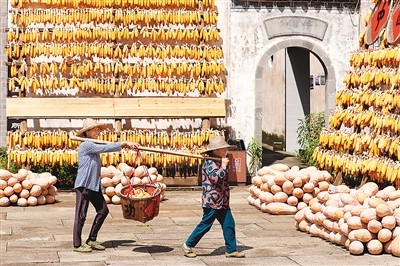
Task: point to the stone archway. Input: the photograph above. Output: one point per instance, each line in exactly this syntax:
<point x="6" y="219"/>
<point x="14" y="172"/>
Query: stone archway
<point x="313" y="46"/>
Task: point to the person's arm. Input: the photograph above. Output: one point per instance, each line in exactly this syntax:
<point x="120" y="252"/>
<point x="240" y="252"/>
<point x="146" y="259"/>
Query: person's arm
<point x="215" y="172"/>
<point x="91" y="147"/>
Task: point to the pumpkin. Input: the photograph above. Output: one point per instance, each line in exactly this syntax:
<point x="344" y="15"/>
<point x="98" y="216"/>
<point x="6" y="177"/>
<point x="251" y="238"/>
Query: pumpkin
<point x="279" y="180"/>
<point x="52" y="190"/>
<point x="279" y="167"/>
<point x="32" y="200"/>
<point x="374" y="247"/>
<point x="107" y="198"/>
<point x="323" y="185"/>
<point x="287" y="187"/>
<point x="50" y="199"/>
<point x="354" y="222"/>
<point x="333" y="212"/>
<point x="5" y="174"/>
<point x="280" y="208"/>
<point x="17" y="188"/>
<point x="301" y="205"/>
<point x="298" y="192"/>
<point x="141" y="171"/>
<point x="373" y="202"/>
<point x="12" y="181"/>
<point x="308" y="187"/>
<point x="356" y="247"/>
<point x="363" y="235"/>
<point x="383" y="210"/>
<point x="394" y="195"/>
<point x="256" y="180"/>
<point x="3" y="184"/>
<point x="13" y="198"/>
<point x="24" y="193"/>
<point x="41" y="200"/>
<point x="395" y="246"/>
<point x="116" y="179"/>
<point x="297" y="182"/>
<point x="116" y="200"/>
<point x="396" y="232"/>
<point x="347" y="199"/>
<point x="299" y="216"/>
<point x="280" y="197"/>
<point x="369" y="188"/>
<point x="266" y="197"/>
<point x="106" y="182"/>
<point x="292" y="201"/>
<point x="35" y="191"/>
<point x="368" y="215"/>
<point x="275" y="189"/>
<point x="307" y="197"/>
<point x="314" y="230"/>
<point x="8" y="191"/>
<point x="356" y="210"/>
<point x="110" y="191"/>
<point x="384" y="235"/>
<point x="22" y="202"/>
<point x="27" y="184"/>
<point x="388" y="222"/>
<point x="304" y="226"/>
<point x="374" y="226"/>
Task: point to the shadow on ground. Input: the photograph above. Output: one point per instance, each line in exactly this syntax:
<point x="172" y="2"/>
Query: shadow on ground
<point x="271" y="157"/>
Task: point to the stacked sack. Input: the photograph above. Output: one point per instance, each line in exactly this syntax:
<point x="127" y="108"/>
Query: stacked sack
<point x="363" y="220"/>
<point x="114" y="178"/>
<point x="278" y="189"/>
<point x="26" y="188"/>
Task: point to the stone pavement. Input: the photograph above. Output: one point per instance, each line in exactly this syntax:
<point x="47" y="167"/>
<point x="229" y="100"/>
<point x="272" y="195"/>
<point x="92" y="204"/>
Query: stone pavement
<point x="42" y="235"/>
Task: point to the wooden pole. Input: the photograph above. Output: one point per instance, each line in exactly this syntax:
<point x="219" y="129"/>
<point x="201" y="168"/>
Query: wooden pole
<point x="151" y="149"/>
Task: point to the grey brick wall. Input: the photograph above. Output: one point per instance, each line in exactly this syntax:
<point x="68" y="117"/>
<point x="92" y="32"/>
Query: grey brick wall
<point x="3" y="71"/>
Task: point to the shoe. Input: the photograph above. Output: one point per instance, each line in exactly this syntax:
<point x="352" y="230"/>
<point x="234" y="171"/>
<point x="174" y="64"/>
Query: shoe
<point x="188" y="251"/>
<point x="83" y="248"/>
<point x="95" y="245"/>
<point x="235" y="254"/>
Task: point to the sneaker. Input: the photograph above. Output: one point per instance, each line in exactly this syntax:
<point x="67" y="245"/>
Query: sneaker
<point x="95" y="245"/>
<point x="235" y="254"/>
<point x="188" y="251"/>
<point x="83" y="248"/>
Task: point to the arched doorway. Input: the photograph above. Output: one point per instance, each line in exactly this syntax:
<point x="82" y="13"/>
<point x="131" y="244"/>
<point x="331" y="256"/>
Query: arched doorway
<point x="291" y="103"/>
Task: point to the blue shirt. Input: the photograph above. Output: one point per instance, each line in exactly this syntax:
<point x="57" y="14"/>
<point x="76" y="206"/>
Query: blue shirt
<point x="89" y="163"/>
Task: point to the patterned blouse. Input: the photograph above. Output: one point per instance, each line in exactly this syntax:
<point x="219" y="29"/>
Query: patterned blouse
<point x="216" y="191"/>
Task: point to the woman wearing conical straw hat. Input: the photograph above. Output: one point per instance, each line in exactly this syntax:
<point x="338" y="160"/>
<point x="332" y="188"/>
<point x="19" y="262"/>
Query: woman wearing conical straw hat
<point x="215" y="200"/>
<point x="88" y="183"/>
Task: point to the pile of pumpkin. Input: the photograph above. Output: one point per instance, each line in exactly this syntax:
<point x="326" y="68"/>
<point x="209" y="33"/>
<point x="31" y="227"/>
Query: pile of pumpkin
<point x="114" y="178"/>
<point x="366" y="219"/>
<point x="26" y="188"/>
<point x="278" y="189"/>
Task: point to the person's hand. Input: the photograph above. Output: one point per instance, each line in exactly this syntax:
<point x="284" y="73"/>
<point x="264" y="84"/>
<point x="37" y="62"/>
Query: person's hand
<point x="224" y="162"/>
<point x="130" y="145"/>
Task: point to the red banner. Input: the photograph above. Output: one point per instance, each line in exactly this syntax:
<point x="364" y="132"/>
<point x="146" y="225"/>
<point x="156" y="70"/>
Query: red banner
<point x="379" y="19"/>
<point x="393" y="29"/>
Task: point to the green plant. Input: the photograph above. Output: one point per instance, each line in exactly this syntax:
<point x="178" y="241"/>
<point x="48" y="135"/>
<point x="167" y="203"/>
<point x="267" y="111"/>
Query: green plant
<point x="308" y="136"/>
<point x="254" y="150"/>
<point x="4" y="164"/>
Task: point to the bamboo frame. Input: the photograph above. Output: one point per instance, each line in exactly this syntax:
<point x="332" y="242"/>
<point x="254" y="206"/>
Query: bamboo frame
<point x="73" y="137"/>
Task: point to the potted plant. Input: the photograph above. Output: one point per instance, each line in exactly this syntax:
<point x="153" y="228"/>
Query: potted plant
<point x="254" y="150"/>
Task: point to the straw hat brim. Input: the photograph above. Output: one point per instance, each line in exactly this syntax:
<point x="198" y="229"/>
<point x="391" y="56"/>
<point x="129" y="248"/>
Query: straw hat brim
<point x="230" y="147"/>
<point x="83" y="130"/>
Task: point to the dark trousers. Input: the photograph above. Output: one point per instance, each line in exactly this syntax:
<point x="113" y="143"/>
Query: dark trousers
<point x="225" y="218"/>
<point x="83" y="197"/>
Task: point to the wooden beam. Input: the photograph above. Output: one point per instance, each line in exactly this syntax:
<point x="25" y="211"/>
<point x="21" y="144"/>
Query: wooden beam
<point x="140" y="107"/>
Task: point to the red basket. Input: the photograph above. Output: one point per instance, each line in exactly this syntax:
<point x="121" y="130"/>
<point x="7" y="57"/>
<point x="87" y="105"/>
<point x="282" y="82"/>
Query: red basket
<point x="141" y="209"/>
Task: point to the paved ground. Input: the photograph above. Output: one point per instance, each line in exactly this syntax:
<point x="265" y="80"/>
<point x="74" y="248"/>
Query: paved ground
<point x="42" y="235"/>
